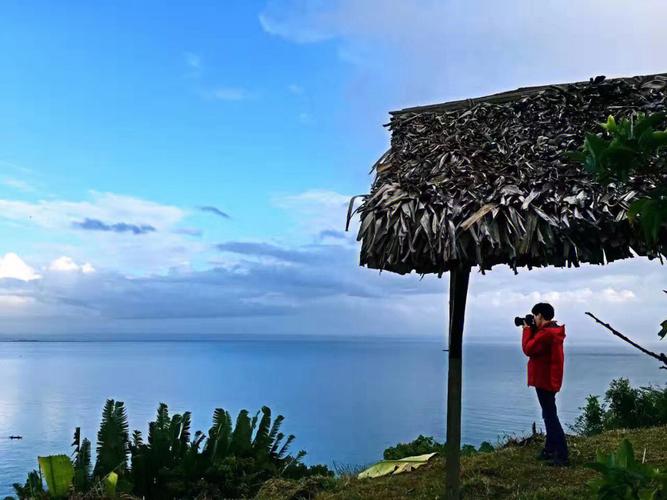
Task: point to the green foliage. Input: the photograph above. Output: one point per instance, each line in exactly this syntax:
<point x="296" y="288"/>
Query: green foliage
<point x="229" y="461"/>
<point x="110" y="483"/>
<point x="112" y="440"/>
<point x="486" y="447"/>
<point x="623" y="477"/>
<point x="624" y="407"/>
<point x="58" y="473"/>
<point x="663" y="329"/>
<point x="33" y="487"/>
<point x="633" y="146"/>
<point x="591" y="420"/>
<point x="423" y="445"/>
<point x="420" y="446"/>
<point x="81" y="461"/>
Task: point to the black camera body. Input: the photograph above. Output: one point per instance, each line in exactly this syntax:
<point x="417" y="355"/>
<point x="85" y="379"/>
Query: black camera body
<point x="528" y="318"/>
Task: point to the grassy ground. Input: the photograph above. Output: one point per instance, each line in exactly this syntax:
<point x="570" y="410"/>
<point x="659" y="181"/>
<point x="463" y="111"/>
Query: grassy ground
<point x="508" y="473"/>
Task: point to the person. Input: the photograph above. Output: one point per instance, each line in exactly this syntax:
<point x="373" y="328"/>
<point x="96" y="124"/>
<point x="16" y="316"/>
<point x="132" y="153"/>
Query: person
<point x="542" y="342"/>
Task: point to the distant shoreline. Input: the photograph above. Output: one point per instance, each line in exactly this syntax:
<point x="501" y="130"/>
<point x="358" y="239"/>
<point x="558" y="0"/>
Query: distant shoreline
<point x="441" y="341"/>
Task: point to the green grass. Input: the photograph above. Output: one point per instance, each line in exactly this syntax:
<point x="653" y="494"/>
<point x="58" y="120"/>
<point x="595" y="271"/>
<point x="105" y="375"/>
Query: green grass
<point x="512" y="472"/>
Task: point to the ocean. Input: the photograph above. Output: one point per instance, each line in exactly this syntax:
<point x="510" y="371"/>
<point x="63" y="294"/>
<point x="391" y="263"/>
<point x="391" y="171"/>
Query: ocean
<point x="345" y="400"/>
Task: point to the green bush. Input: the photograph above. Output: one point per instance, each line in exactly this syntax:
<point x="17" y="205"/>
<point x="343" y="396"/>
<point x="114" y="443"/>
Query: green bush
<point x="232" y="460"/>
<point x="623" y="477"/>
<point x="423" y="445"/>
<point x="624" y="407"/>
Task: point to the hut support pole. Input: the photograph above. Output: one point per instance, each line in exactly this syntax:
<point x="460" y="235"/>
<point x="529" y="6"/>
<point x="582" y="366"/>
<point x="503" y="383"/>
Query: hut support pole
<point x="458" y="291"/>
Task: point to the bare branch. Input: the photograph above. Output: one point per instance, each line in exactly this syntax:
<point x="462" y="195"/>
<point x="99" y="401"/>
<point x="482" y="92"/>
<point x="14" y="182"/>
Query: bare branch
<point x="660" y="357"/>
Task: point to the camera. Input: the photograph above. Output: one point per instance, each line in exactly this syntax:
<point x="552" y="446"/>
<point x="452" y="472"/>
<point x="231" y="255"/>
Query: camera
<point x="528" y="318"/>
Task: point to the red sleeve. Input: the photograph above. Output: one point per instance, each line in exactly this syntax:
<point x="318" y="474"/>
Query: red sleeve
<point x="534" y="344"/>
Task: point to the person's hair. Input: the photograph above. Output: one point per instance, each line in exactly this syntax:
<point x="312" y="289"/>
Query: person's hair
<point x="546" y="310"/>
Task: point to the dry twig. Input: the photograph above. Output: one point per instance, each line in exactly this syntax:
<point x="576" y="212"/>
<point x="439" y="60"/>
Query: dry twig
<point x="660" y="357"/>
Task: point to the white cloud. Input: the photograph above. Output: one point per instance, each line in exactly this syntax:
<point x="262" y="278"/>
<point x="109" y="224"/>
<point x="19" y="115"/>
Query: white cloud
<point x="316" y="211"/>
<point x="420" y="51"/>
<point x="193" y="60"/>
<point x="12" y="266"/>
<point x="107" y="207"/>
<point x="18" y="184"/>
<point x="228" y="94"/>
<point x="114" y="234"/>
<point x="13" y="301"/>
<point x="295" y="89"/>
<point x="67" y="264"/>
<point x="87" y="268"/>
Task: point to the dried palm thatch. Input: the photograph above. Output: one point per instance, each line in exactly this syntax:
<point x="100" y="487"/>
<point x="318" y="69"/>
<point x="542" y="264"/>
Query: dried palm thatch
<point x="488" y="181"/>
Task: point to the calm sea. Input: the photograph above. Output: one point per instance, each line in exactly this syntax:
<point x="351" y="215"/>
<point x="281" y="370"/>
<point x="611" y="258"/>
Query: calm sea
<point x="345" y="401"/>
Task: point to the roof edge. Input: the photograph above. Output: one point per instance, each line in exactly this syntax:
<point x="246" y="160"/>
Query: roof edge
<point x="507" y="96"/>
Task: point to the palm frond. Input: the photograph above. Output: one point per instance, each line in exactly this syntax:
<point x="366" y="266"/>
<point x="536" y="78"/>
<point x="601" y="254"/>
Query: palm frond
<point x="241" y="443"/>
<point x="262" y="441"/>
<point x="112" y="440"/>
<point x="285" y="447"/>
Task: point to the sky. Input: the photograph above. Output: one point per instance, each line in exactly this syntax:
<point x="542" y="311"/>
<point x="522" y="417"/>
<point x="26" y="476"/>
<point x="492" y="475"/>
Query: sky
<point x="183" y="169"/>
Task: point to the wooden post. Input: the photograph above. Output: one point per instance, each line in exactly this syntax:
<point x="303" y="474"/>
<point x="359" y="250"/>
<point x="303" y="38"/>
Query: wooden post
<point x="458" y="291"/>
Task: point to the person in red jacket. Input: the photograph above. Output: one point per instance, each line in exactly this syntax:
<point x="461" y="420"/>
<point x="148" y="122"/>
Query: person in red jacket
<point x="543" y="344"/>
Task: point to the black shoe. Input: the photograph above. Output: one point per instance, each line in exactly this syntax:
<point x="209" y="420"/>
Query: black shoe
<point x="545" y="455"/>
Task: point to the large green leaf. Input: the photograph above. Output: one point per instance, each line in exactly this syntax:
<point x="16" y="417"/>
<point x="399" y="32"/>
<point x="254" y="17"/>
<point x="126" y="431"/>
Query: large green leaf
<point x="386" y="467"/>
<point x="663" y="329"/>
<point x="110" y="482"/>
<point x="58" y="472"/>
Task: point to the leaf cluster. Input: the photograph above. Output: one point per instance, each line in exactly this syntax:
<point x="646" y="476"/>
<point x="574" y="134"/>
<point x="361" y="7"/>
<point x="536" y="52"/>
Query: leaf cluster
<point x="623" y="407"/>
<point x="423" y="445"/>
<point x="231" y="460"/>
<point x="633" y="146"/>
<point x="623" y="477"/>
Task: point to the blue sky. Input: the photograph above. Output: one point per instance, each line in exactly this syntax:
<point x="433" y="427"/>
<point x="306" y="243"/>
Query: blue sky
<point x="183" y="168"/>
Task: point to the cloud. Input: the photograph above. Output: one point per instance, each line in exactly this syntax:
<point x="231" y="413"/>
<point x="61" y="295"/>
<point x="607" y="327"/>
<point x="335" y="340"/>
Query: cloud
<point x="316" y="210"/>
<point x="12" y="266"/>
<point x="117" y="227"/>
<point x="307" y="283"/>
<point x="295" y="89"/>
<point x="59" y="214"/>
<point x="228" y="94"/>
<point x="193" y="60"/>
<point x="216" y="211"/>
<point x="66" y="264"/>
<point x="53" y="220"/>
<point x="318" y="289"/>
<point x="252" y="249"/>
<point x="330" y="233"/>
<point x="413" y="52"/>
<point x="13" y="301"/>
<point x="18" y="184"/>
<point x="189" y="231"/>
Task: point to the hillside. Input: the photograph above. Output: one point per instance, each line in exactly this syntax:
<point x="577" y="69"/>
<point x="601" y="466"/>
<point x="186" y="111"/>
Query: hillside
<point x="511" y="472"/>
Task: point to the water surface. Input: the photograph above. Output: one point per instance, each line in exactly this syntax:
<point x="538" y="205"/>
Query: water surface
<point x="345" y="401"/>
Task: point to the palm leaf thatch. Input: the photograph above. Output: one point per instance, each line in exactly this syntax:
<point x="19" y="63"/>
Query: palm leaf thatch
<point x="488" y="181"/>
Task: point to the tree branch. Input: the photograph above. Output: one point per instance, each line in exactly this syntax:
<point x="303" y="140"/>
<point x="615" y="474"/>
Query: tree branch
<point x="660" y="357"/>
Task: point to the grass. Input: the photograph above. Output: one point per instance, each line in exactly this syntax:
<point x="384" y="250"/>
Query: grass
<point x="512" y="472"/>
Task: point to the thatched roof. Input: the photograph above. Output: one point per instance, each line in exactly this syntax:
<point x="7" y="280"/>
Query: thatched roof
<point x="486" y="181"/>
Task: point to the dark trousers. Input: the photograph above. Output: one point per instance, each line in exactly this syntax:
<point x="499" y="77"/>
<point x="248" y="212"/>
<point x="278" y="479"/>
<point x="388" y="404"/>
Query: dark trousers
<point x="556" y="443"/>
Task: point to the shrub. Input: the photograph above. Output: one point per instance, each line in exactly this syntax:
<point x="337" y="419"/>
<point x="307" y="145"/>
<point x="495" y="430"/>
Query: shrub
<point x="232" y="460"/>
<point x="423" y="445"/>
<point x="624" y="407"/>
<point x="623" y="477"/>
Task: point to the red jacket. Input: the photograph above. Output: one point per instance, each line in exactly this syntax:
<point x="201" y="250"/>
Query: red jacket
<point x="545" y="350"/>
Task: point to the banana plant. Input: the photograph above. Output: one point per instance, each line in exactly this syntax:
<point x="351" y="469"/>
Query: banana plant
<point x="58" y="472"/>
